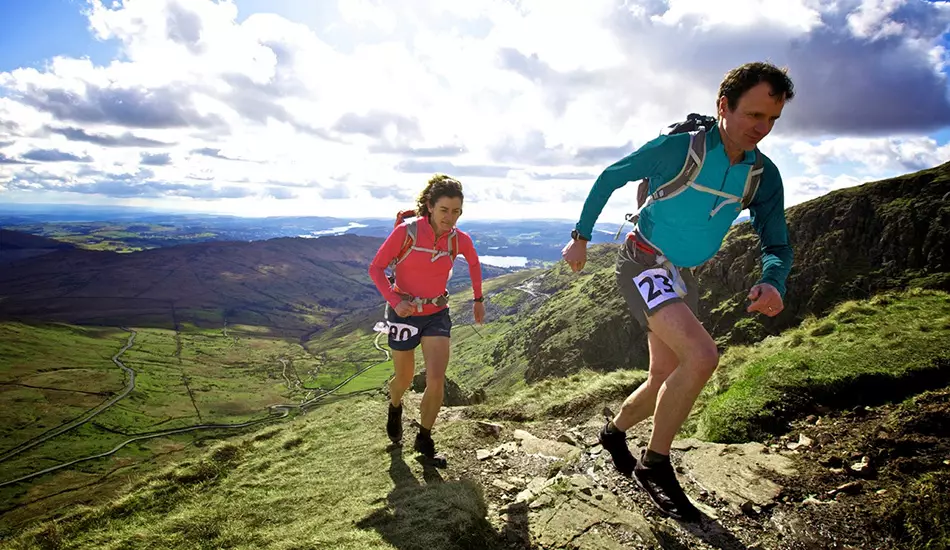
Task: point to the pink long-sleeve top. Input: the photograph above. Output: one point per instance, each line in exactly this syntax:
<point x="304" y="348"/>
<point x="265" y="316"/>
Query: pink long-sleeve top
<point x="418" y="275"/>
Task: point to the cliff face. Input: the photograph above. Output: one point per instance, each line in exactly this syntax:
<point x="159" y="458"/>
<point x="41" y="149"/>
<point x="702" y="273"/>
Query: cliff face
<point x="848" y="244"/>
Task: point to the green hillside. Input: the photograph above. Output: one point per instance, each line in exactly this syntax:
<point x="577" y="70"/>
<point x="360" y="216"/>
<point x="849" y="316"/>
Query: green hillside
<point x="328" y="479"/>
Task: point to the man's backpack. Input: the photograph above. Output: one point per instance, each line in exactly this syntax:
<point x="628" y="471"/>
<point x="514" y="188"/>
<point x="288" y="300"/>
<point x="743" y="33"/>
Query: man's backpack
<point x="697" y="126"/>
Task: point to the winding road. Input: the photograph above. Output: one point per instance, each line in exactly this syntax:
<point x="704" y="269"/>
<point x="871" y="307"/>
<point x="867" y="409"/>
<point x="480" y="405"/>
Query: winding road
<point x="276" y="412"/>
<point x="86" y="416"/>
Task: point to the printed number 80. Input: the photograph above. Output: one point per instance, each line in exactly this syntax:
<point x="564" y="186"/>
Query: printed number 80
<point x="399" y="335"/>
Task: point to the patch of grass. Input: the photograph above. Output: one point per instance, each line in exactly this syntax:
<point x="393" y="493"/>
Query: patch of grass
<point x="572" y="395"/>
<point x="920" y="515"/>
<point x="822" y="329"/>
<point x="55" y="373"/>
<point x="249" y="492"/>
<point x="878" y="355"/>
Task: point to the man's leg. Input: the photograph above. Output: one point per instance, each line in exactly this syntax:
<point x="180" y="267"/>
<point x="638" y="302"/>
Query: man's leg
<point x="640" y="404"/>
<point x="698" y="357"/>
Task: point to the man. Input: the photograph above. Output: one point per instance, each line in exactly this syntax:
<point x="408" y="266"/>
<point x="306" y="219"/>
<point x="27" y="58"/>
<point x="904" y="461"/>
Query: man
<point x="676" y="231"/>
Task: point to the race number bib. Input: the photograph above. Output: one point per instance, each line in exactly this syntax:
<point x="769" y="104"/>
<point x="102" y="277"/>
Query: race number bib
<point x="655" y="286"/>
<point x="400" y="332"/>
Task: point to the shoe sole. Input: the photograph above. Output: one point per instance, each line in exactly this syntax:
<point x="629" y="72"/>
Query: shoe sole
<point x="664" y="511"/>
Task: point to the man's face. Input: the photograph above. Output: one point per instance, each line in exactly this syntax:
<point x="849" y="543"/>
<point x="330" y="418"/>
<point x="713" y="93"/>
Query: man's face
<point x="446" y="212"/>
<point x="755" y="114"/>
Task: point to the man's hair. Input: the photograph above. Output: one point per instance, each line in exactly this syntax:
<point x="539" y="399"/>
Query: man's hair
<point x="745" y="77"/>
<point x="440" y="185"/>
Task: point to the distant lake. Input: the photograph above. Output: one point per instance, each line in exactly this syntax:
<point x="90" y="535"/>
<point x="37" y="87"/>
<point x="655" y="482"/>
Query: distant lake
<point x="334" y="230"/>
<point x="504" y="261"/>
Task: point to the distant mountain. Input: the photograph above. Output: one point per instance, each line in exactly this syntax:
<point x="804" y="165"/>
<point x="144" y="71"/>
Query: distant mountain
<point x="18" y="246"/>
<point x="291" y="285"/>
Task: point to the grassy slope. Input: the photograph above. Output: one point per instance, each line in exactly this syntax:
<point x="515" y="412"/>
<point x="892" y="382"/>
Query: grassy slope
<point x="865" y="352"/>
<point x="874" y="351"/>
<point x="288" y="487"/>
<point x="198" y="377"/>
<point x="311" y="483"/>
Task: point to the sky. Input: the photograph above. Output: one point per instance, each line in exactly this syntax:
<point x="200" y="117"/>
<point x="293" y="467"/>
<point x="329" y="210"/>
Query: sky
<point x="346" y="107"/>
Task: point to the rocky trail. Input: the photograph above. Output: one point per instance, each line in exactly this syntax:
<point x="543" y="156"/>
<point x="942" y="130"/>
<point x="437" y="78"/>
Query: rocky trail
<point x="834" y="481"/>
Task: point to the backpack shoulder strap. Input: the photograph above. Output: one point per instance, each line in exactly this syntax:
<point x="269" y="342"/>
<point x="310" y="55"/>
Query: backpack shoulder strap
<point x="412" y="230"/>
<point x="453" y="244"/>
<point x="695" y="155"/>
<point x="753" y="179"/>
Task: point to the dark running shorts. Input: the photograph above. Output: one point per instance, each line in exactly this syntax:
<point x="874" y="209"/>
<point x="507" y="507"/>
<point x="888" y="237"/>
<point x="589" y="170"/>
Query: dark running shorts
<point x="647" y="288"/>
<point x="405" y="333"/>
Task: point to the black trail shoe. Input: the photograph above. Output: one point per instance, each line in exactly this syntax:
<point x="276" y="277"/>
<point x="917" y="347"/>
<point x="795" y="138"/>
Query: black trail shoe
<point x="616" y="444"/>
<point x="660" y="483"/>
<point x="394" y="423"/>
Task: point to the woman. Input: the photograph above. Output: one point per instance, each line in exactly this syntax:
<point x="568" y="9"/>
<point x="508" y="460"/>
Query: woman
<point x="417" y="298"/>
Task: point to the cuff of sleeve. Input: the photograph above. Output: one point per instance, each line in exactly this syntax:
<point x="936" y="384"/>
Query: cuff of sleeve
<point x="585" y="234"/>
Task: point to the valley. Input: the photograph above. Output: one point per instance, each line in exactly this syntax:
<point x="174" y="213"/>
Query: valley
<point x="255" y="363"/>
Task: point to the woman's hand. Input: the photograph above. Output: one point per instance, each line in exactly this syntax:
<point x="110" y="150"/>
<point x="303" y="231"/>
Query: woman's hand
<point x="478" y="310"/>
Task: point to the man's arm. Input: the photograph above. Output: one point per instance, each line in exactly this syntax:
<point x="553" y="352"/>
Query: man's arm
<point x="768" y="220"/>
<point x="656" y="156"/>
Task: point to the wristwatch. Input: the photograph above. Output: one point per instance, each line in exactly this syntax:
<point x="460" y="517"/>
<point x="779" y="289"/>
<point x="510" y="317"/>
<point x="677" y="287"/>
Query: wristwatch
<point x="577" y="236"/>
<point x="482" y="299"/>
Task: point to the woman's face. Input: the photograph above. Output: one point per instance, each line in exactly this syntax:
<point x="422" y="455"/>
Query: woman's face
<point x="445" y="212"/>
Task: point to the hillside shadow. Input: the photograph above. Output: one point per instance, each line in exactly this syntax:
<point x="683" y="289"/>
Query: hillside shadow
<point x="436" y="513"/>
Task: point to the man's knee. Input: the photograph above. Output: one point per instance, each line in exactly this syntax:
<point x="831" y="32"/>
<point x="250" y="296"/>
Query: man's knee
<point x="704" y="357"/>
<point x="656" y="378"/>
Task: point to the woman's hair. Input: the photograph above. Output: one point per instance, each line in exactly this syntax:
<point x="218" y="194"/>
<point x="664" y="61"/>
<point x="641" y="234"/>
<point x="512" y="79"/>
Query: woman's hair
<point x="440" y="185"/>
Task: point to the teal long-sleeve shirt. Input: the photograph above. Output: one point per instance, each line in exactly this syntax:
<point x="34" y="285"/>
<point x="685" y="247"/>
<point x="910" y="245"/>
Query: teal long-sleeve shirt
<point x="683" y="227"/>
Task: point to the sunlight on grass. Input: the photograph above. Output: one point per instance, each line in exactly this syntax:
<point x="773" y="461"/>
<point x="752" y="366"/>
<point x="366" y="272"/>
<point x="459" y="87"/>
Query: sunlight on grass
<point x="863" y="353"/>
<point x="287" y="487"/>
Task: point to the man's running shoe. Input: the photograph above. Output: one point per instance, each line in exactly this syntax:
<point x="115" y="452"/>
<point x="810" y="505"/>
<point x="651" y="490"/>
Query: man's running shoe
<point x="660" y="483"/>
<point x="394" y="423"/>
<point x="616" y="444"/>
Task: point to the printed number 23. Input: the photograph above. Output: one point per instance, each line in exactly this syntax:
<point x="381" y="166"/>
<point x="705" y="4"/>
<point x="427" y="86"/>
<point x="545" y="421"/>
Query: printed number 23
<point x="653" y="292"/>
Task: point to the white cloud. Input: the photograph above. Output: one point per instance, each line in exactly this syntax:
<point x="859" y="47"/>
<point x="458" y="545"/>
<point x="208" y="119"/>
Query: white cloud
<point x="802" y="188"/>
<point x="874" y="156"/>
<point x="209" y="107"/>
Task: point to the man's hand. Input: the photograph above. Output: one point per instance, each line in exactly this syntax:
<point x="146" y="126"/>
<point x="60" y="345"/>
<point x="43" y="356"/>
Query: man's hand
<point x="478" y="310"/>
<point x="575" y="254"/>
<point x="766" y="300"/>
<point x="404" y="308"/>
